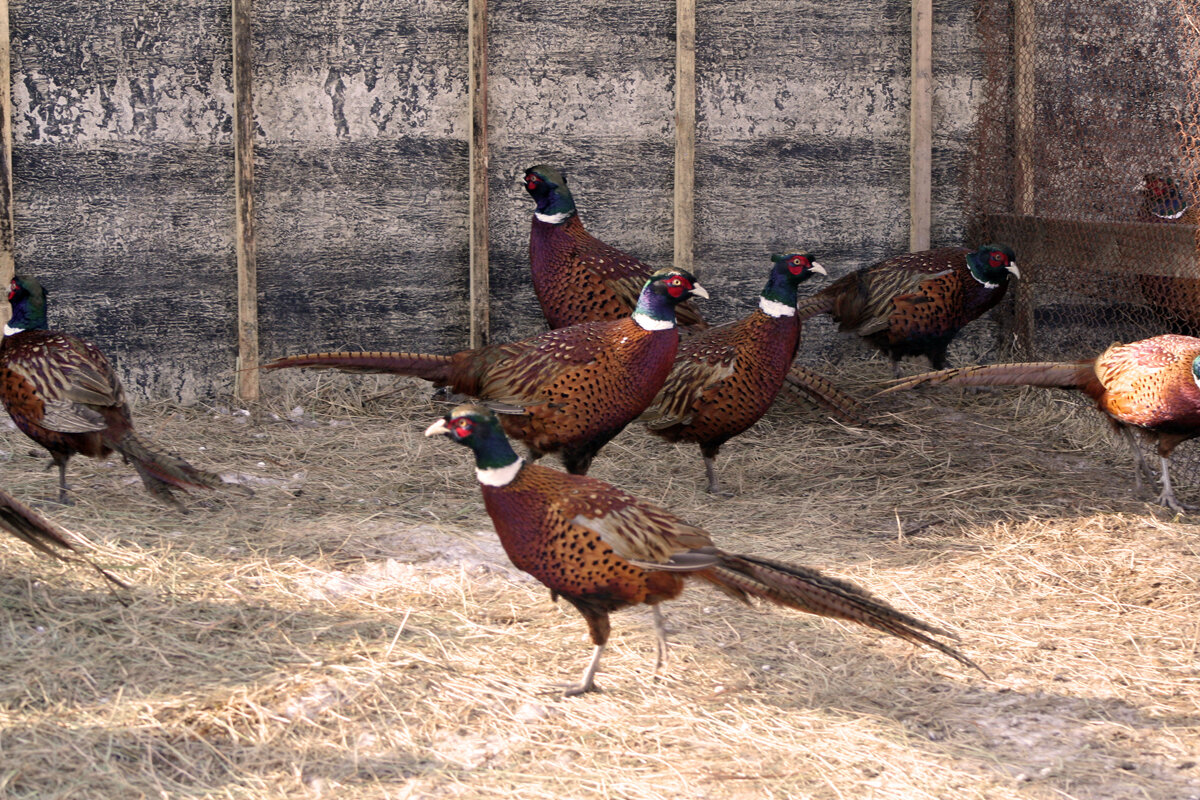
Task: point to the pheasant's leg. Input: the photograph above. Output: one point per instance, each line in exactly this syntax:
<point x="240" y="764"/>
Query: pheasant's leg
<point x="60" y="461"/>
<point x="896" y="369"/>
<point x="709" y="452"/>
<point x="1167" y="497"/>
<point x="588" y="682"/>
<point x="660" y="632"/>
<point x="1140" y="466"/>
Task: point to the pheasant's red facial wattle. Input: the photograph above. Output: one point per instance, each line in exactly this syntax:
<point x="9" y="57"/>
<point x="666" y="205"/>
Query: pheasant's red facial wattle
<point x="998" y="259"/>
<point x="462" y="428"/>
<point x="798" y="265"/>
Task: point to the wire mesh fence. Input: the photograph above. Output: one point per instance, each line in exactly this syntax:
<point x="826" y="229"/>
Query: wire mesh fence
<point x="1087" y="157"/>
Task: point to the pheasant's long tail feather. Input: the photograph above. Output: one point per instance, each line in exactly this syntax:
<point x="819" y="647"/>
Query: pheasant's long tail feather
<point x="162" y="471"/>
<point x="418" y="365"/>
<point x="808" y="590"/>
<point x="811" y="306"/>
<point x="804" y="385"/>
<point x="1048" y="374"/>
<point x="44" y="536"/>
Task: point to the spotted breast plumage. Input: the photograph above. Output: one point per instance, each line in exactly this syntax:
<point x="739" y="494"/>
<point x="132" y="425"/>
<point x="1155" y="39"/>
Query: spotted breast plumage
<point x="63" y="393"/>
<point x="915" y="304"/>
<point x="602" y="549"/>
<point x="569" y="390"/>
<point x="577" y="277"/>
<point x="1151" y="385"/>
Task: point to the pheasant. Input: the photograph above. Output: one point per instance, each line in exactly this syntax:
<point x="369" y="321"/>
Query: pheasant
<point x="1176" y="300"/>
<point x="1151" y="385"/>
<point x="914" y="304"/>
<point x="725" y="378"/>
<point x="603" y="550"/>
<point x="577" y="277"/>
<point x="569" y="390"/>
<point x="43" y="535"/>
<point x="63" y="393"/>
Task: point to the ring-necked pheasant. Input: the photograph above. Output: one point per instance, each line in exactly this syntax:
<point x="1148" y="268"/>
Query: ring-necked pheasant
<point x="1175" y="299"/>
<point x="1151" y="385"/>
<point x="569" y="390"/>
<point x="725" y="378"/>
<point x="63" y="393"/>
<point x="43" y="535"/>
<point x="577" y="277"/>
<point x="914" y="304"/>
<point x="603" y="550"/>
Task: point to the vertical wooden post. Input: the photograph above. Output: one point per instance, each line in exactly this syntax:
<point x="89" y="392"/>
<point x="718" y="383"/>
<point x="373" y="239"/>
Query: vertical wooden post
<point x="7" y="243"/>
<point x="1025" y="109"/>
<point x="685" y="131"/>
<point x="480" y="295"/>
<point x="920" y="140"/>
<point x="246" y="386"/>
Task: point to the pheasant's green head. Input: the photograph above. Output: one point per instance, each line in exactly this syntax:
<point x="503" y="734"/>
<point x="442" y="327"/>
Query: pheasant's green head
<point x="992" y="264"/>
<point x="664" y="290"/>
<point x="1161" y="196"/>
<point x="476" y="427"/>
<point x="1196" y="371"/>
<point x="548" y="187"/>
<point x="28" y="300"/>
<point x="789" y="271"/>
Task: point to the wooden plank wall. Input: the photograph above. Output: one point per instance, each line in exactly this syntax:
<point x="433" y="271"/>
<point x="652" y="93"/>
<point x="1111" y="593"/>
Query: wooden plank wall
<point x="124" y="169"/>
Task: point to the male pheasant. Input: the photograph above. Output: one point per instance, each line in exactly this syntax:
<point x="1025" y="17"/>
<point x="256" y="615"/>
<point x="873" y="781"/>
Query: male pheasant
<point x="603" y="550"/>
<point x="1175" y="300"/>
<point x="577" y="277"/>
<point x="43" y="535"/>
<point x="914" y="304"/>
<point x="571" y="389"/>
<point x="63" y="393"/>
<point x="1151" y="385"/>
<point x="725" y="378"/>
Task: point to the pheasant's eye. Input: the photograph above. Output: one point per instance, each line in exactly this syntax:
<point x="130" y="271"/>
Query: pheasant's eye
<point x="800" y="261"/>
<point x="462" y="428"/>
<point x="998" y="259"/>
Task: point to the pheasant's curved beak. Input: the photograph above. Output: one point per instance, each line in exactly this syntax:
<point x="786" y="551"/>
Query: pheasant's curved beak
<point x="439" y="428"/>
<point x="699" y="291"/>
<point x="817" y="268"/>
<point x="1013" y="269"/>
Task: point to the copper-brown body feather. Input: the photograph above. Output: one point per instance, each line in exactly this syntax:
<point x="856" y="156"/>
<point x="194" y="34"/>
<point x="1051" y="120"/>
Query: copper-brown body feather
<point x="63" y="393"/>
<point x="578" y="278"/>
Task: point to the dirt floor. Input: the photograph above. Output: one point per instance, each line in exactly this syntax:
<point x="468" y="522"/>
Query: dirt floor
<point x="355" y="630"/>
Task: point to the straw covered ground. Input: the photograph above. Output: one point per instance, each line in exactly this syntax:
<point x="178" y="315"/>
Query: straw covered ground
<point x="355" y="630"/>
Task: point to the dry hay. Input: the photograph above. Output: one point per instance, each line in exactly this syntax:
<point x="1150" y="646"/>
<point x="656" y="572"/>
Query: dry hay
<point x="354" y="630"/>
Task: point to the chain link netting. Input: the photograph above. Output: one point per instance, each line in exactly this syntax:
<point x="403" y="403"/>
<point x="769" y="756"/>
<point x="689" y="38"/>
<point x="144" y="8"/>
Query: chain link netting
<point x="1087" y="153"/>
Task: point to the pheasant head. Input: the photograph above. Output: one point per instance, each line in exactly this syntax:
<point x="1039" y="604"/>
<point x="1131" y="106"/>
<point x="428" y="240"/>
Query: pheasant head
<point x="28" y="300"/>
<point x="1161" y="196"/>
<point x="664" y="290"/>
<point x="992" y="264"/>
<point x="791" y="269"/>
<point x="476" y="427"/>
<point x="548" y="187"/>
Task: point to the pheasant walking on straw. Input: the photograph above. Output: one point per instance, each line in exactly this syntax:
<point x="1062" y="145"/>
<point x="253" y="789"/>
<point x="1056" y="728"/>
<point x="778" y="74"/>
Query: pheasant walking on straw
<point x="43" y="535"/>
<point x="63" y="393"/>
<point x="569" y="390"/>
<point x="725" y="378"/>
<point x="603" y="550"/>
<point x="577" y="277"/>
<point x="1152" y="386"/>
<point x="915" y="304"/>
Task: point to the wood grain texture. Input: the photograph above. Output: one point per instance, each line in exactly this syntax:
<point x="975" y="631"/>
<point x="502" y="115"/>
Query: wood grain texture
<point x="480" y="311"/>
<point x="6" y="142"/>
<point x="246" y="381"/>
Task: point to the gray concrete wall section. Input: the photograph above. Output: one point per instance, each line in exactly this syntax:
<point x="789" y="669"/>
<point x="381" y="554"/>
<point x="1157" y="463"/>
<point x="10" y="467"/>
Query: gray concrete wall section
<point x="124" y="171"/>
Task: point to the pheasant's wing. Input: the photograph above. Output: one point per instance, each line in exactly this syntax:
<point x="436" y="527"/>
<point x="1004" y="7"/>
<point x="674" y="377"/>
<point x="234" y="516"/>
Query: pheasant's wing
<point x="515" y="372"/>
<point x="880" y="291"/>
<point x="73" y="379"/>
<point x="626" y="276"/>
<point x="1140" y="379"/>
<point x="637" y="531"/>
<point x="703" y="361"/>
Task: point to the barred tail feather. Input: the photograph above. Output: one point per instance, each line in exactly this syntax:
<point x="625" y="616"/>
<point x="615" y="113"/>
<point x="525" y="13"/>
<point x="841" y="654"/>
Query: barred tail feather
<point x="418" y="365"/>
<point x="44" y="536"/>
<point x="1046" y="374"/>
<point x="803" y="385"/>
<point x="160" y="472"/>
<point x="808" y="590"/>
